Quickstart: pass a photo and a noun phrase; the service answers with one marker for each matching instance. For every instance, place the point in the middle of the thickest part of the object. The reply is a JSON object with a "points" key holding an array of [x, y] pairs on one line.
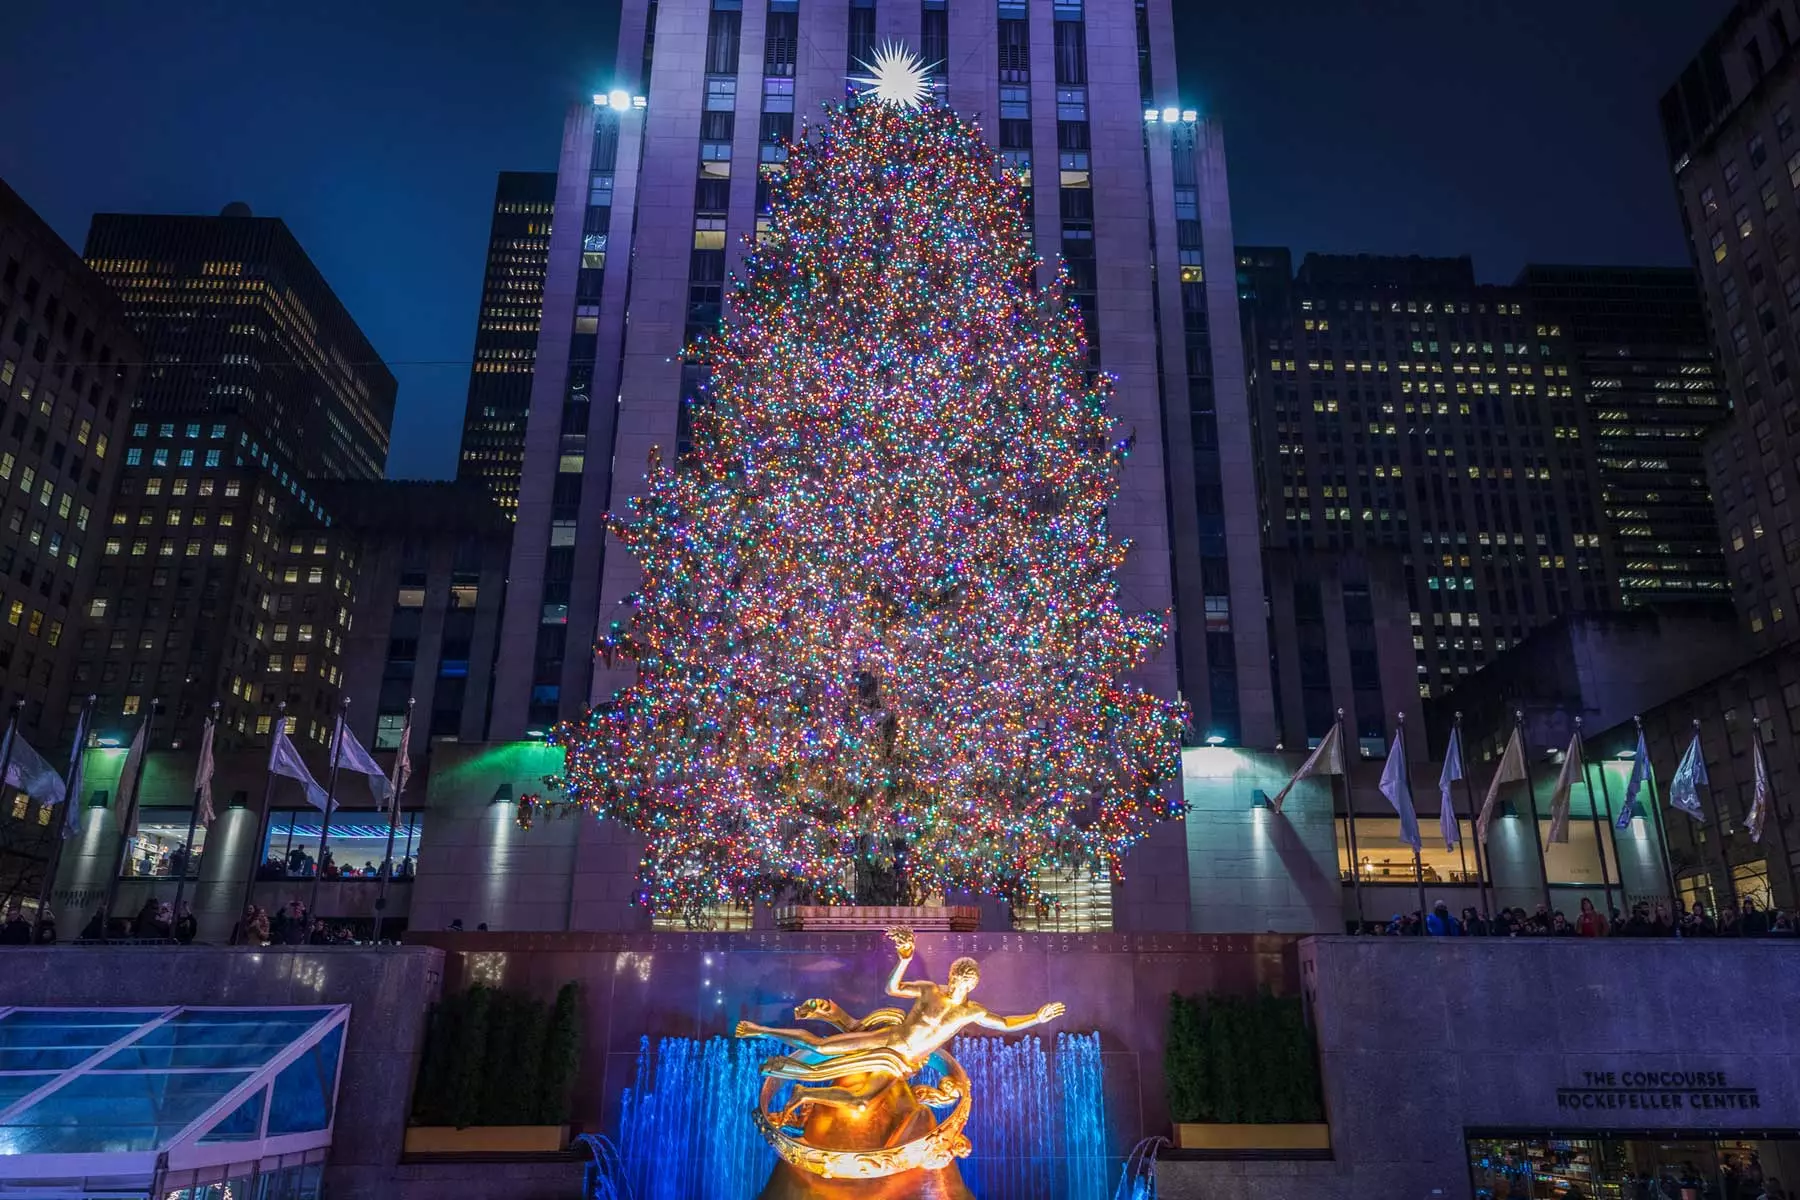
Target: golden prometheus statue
{"points": [[863, 1130]]}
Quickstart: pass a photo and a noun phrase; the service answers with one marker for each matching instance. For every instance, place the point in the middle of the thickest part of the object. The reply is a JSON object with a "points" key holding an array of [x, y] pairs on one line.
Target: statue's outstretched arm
{"points": [[897, 984], [1049, 1012]]}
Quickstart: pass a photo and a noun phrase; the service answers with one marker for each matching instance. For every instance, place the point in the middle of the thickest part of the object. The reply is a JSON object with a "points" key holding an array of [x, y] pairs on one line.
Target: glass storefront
{"points": [[1633, 1167], [158, 849], [356, 844]]}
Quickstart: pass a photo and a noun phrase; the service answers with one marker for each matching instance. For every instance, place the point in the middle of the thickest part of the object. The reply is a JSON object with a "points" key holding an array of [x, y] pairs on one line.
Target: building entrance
{"points": [[1635, 1166]]}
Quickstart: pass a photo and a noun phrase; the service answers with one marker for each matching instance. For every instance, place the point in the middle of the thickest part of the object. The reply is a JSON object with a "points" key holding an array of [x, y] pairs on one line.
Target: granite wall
{"points": [[1423, 1040], [388, 991]]}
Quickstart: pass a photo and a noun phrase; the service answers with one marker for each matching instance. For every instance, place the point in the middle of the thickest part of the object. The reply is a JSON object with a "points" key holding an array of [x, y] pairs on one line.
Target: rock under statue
{"points": [[853, 1125]]}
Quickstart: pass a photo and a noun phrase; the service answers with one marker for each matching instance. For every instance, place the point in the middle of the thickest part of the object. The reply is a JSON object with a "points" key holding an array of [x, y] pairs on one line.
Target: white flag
{"points": [[27, 770], [1453, 770], [128, 778], [348, 755], [1690, 775], [1398, 789], [402, 762], [1510, 770], [1327, 758], [1565, 784], [203, 773], [1761, 799], [71, 817], [284, 759]]}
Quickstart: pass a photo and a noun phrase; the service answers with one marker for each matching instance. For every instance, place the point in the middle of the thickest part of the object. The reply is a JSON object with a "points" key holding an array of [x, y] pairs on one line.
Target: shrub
{"points": [[1236, 1060]]}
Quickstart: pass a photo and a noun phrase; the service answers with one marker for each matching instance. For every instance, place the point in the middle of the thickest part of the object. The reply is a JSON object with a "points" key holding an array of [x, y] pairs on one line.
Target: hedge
{"points": [[494, 1057], [1235, 1060]]}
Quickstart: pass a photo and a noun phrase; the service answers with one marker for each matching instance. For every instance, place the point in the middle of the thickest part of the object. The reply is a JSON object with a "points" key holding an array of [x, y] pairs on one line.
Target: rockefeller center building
{"points": [[665, 175]]}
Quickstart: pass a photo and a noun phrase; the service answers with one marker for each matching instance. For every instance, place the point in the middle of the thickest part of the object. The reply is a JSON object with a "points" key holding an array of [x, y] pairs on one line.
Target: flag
{"points": [[27, 770], [284, 759], [71, 823], [403, 762], [128, 778], [348, 754], [1760, 799], [1453, 770], [1690, 776], [203, 773], [1640, 775], [1565, 784], [1327, 758], [1398, 789], [1510, 770]]}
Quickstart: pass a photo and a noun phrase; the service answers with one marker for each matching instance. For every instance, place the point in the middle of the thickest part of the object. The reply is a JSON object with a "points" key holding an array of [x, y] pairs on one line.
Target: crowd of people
{"points": [[290, 926], [1644, 920], [298, 864]]}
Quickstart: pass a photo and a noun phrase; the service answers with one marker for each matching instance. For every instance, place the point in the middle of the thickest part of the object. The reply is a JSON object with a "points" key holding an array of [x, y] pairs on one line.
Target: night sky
{"points": [[1512, 130]]}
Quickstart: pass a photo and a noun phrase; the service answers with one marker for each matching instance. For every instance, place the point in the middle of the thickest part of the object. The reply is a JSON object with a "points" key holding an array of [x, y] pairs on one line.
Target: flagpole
{"points": [[1350, 815], [69, 797], [387, 860], [1780, 829], [1483, 884], [1543, 854], [1719, 832], [127, 814], [312, 907], [1662, 830], [1418, 860], [262, 821], [1587, 781], [187, 847]]}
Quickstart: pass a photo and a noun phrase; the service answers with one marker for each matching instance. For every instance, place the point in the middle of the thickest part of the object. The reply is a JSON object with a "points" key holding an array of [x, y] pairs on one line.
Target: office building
{"points": [[506, 333], [1638, 350], [1487, 456], [68, 371], [258, 382], [1728, 122]]}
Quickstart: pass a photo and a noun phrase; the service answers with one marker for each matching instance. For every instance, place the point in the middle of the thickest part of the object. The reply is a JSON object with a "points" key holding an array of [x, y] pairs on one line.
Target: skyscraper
{"points": [[506, 333], [664, 174], [217, 552], [1492, 456], [1729, 126], [68, 370]]}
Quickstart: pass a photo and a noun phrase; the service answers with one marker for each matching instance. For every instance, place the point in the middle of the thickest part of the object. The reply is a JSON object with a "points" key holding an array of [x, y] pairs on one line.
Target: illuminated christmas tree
{"points": [[879, 632]]}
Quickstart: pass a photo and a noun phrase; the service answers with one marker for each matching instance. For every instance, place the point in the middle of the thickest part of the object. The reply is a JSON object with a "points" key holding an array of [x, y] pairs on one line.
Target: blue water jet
{"points": [[1038, 1124]]}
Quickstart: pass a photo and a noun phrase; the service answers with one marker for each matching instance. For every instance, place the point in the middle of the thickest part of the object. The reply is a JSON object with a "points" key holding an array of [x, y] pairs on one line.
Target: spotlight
{"points": [[619, 98], [1171, 115], [1215, 739], [1150, 115], [1189, 115]]}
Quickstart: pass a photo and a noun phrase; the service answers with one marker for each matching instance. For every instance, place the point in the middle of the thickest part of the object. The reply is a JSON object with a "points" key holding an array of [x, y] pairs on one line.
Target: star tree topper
{"points": [[897, 76]]}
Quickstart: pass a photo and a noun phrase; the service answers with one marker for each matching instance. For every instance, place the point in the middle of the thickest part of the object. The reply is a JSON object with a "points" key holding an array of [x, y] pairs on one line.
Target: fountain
{"points": [[1038, 1127]]}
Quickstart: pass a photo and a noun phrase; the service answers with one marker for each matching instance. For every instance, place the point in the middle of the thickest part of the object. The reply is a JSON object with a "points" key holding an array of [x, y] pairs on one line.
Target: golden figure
{"points": [[858, 1117]]}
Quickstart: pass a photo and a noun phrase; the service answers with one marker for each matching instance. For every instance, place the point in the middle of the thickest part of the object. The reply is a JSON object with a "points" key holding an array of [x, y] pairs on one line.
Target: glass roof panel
{"points": [[16, 1087], [243, 1123], [215, 1038], [107, 1112], [73, 1028]]}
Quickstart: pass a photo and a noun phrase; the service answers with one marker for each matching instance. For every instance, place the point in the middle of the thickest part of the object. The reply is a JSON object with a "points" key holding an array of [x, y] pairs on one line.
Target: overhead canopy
{"points": [[92, 1098]]}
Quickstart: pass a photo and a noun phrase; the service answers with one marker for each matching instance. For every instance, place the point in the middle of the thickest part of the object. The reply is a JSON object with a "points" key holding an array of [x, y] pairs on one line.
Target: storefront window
{"points": [[157, 849], [1084, 904], [1384, 858], [1531, 1167], [356, 845]]}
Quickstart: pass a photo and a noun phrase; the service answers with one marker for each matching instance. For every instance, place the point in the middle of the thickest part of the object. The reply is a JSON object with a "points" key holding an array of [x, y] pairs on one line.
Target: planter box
{"points": [[486, 1139], [1264, 1139], [933, 919]]}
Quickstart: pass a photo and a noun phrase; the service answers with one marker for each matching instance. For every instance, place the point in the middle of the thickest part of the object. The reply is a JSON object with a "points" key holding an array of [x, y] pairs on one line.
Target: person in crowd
{"points": [[1697, 923], [45, 933], [319, 934], [1772, 1189], [186, 926], [456, 926], [1540, 921], [178, 861], [406, 868], [243, 932], [1559, 925], [291, 925], [296, 861], [1728, 921], [144, 925], [328, 868], [17, 930], [1438, 924], [95, 929], [1590, 923], [1753, 922], [1473, 923]]}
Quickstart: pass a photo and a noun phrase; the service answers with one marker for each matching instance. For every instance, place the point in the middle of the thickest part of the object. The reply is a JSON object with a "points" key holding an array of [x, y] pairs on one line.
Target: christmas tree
{"points": [[879, 630]]}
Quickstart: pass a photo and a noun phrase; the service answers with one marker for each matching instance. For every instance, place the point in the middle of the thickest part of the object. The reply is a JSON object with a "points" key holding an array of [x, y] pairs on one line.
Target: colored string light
{"points": [[879, 611]]}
